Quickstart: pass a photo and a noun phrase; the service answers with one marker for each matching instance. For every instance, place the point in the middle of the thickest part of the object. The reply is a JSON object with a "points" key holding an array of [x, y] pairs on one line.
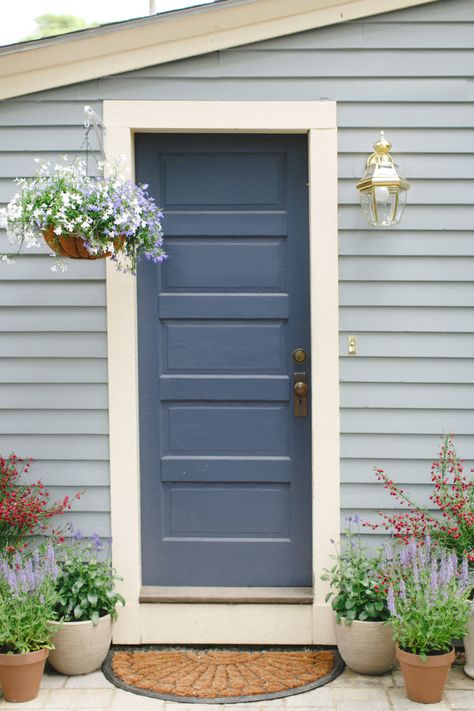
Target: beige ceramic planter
{"points": [[366, 647], [80, 648], [469, 645]]}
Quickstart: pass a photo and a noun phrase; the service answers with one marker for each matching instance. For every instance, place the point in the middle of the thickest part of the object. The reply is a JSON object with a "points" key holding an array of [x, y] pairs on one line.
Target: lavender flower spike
{"points": [[391, 602], [464, 577]]}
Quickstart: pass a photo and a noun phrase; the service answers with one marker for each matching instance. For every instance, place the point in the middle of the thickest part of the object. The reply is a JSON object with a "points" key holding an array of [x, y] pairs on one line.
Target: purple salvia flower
{"points": [[464, 576], [443, 570], [402, 590], [391, 602], [405, 556], [416, 573], [434, 577], [411, 546]]}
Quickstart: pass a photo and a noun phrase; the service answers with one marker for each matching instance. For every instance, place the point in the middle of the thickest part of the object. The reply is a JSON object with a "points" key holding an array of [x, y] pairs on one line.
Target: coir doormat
{"points": [[220, 675]]}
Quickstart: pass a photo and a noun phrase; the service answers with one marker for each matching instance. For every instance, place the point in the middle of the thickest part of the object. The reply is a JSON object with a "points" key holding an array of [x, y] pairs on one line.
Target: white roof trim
{"points": [[123, 47]]}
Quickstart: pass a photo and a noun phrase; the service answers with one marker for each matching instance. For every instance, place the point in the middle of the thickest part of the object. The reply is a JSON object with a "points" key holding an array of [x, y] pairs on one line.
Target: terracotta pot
{"points": [[20, 675], [366, 647], [469, 645], [425, 681], [72, 246], [80, 648]]}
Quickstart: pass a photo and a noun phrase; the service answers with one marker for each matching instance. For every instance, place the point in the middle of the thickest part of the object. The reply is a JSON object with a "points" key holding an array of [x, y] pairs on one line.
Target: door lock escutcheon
{"points": [[300, 390]]}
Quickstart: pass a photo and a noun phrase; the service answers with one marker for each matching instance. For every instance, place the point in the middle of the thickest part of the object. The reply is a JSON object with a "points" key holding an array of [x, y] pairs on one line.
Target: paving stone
{"points": [[96, 680], [316, 698], [52, 680], [400, 702], [398, 678], [178, 706], [38, 703], [126, 701], [350, 679], [460, 698], [458, 680], [361, 699], [80, 698]]}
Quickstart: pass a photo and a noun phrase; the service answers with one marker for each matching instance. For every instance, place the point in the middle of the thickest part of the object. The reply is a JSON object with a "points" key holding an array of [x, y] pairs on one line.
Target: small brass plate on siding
{"points": [[299, 355]]}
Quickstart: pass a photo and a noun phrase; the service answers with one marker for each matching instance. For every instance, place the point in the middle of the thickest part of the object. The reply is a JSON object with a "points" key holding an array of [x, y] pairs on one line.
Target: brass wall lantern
{"points": [[383, 192]]}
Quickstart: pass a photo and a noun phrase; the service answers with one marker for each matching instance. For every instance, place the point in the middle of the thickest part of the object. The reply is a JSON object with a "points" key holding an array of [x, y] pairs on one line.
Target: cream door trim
{"points": [[165, 622]]}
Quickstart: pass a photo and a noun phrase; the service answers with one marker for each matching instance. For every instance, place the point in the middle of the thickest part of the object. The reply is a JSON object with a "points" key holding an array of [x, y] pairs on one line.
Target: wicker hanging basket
{"points": [[73, 246]]}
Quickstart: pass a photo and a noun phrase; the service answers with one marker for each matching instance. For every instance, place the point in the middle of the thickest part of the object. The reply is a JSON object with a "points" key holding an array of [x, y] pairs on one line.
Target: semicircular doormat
{"points": [[220, 676]]}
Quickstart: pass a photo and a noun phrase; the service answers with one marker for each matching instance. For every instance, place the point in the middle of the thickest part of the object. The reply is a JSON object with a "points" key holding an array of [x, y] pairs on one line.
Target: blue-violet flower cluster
{"points": [[112, 214]]}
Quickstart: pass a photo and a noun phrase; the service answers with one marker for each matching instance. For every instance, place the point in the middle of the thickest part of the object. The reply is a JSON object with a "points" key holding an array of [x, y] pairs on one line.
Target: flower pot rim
{"points": [[411, 657], [78, 623], [20, 657], [361, 622]]}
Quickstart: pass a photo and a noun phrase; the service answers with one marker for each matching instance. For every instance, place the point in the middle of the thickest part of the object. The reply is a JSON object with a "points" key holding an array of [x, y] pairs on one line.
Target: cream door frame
{"points": [[227, 623]]}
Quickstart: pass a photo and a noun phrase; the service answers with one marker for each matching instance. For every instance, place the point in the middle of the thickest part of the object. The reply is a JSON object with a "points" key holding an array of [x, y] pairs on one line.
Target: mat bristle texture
{"points": [[220, 674]]}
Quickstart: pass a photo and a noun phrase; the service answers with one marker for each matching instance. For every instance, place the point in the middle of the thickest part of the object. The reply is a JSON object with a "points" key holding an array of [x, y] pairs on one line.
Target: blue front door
{"points": [[225, 449]]}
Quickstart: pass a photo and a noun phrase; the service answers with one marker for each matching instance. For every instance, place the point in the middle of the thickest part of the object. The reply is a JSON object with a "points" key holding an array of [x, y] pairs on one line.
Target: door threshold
{"points": [[212, 595]]}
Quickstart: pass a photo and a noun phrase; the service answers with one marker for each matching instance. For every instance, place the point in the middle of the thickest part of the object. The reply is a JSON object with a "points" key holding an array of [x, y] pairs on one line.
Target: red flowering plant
{"points": [[25, 509], [453, 495]]}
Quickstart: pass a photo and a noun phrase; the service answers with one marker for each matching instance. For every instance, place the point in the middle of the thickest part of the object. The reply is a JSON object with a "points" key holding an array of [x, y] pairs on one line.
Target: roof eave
{"points": [[135, 44]]}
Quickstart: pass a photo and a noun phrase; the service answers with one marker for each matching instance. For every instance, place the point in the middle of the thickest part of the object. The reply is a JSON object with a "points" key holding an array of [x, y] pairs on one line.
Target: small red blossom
{"points": [[25, 509]]}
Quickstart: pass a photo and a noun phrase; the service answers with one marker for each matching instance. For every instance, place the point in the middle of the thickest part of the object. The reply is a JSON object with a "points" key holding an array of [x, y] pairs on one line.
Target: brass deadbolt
{"points": [[299, 355]]}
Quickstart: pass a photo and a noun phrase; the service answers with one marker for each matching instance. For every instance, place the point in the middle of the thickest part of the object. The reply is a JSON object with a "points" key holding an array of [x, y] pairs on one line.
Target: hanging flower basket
{"points": [[84, 217], [73, 246]]}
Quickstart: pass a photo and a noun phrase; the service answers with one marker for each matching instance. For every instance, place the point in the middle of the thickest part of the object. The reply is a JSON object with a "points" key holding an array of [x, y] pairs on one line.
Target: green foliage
{"points": [[27, 601], [428, 597], [85, 584], [49, 24], [356, 590]]}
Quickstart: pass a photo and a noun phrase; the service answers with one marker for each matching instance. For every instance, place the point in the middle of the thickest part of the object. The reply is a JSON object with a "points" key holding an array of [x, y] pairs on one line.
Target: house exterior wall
{"points": [[405, 293]]}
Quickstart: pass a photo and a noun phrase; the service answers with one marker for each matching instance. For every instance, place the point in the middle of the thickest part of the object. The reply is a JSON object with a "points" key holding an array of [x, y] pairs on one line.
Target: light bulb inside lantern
{"points": [[382, 194]]}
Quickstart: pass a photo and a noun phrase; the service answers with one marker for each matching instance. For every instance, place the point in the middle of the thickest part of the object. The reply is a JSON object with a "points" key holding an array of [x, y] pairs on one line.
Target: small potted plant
{"points": [[453, 528], [27, 601], [428, 600], [84, 217], [358, 599], [85, 607]]}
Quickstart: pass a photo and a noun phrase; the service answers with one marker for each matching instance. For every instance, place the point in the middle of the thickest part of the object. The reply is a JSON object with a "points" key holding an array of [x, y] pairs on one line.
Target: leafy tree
{"points": [[49, 24]]}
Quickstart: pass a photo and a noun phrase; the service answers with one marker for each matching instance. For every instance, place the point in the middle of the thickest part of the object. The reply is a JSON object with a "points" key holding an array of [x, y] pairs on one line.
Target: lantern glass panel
{"points": [[382, 205]]}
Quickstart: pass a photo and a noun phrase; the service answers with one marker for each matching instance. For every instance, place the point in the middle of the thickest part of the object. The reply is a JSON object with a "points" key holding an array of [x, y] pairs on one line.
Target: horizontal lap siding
{"points": [[407, 293], [53, 350]]}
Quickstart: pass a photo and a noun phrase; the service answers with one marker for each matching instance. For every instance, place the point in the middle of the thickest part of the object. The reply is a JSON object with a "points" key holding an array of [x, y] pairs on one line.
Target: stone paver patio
{"points": [[349, 692]]}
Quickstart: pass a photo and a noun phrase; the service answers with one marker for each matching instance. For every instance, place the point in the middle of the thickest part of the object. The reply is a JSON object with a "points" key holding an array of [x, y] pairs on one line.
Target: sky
{"points": [[18, 17]]}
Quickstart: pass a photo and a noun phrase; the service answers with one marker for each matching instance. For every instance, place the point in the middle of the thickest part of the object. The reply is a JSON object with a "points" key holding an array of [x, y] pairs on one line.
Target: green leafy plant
{"points": [[27, 600], [355, 581], [427, 596], [85, 584]]}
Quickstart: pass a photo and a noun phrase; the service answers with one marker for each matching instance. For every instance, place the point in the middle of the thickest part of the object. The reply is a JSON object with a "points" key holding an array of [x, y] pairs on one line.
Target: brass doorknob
{"points": [[301, 388]]}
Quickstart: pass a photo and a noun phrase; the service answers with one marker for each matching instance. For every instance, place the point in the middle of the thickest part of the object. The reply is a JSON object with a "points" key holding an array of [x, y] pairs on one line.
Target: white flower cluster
{"points": [[109, 213]]}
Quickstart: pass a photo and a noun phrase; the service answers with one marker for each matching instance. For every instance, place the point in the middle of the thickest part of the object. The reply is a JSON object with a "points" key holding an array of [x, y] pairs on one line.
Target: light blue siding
{"points": [[407, 294]]}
